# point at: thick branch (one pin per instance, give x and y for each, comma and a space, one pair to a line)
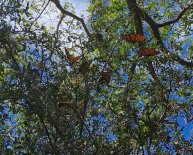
47, 133
139, 29
176, 58
155, 30
175, 20
58, 5
151, 22
152, 71
132, 5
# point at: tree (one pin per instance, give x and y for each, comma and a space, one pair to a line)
124, 86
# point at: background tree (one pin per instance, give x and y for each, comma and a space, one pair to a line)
67, 89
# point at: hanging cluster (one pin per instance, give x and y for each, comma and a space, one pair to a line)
138, 38
134, 38
105, 76
148, 52
71, 58
84, 67
69, 104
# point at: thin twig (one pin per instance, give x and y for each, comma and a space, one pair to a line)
58, 5
40, 13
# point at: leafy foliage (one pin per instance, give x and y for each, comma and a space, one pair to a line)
67, 89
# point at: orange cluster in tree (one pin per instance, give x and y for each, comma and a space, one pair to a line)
69, 104
71, 58
65, 104
84, 67
106, 76
148, 52
133, 38
80, 106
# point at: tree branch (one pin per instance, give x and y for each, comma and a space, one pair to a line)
132, 4
58, 5
47, 133
40, 13
14, 61
79, 116
11, 129
155, 29
177, 19
151, 22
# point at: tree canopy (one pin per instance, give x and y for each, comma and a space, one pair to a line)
117, 82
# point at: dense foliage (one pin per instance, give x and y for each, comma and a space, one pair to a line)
73, 87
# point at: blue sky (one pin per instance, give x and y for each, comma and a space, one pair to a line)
80, 6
